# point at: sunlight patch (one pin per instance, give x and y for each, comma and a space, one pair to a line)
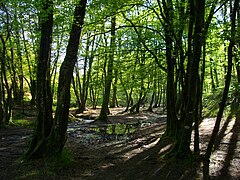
166, 148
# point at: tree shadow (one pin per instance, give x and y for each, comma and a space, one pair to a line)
231, 152
146, 164
221, 133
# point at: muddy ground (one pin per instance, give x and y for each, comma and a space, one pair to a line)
129, 153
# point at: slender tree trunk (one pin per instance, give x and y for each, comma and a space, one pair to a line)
150, 108
39, 144
225, 92
114, 94
171, 90
108, 79
184, 138
20, 68
1, 105
66, 73
78, 102
7, 101
31, 71
55, 62
211, 74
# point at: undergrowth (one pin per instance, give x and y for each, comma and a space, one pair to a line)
47, 168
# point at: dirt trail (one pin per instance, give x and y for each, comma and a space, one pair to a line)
13, 142
127, 156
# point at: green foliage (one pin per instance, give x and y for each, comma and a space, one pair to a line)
48, 168
22, 122
134, 63
58, 162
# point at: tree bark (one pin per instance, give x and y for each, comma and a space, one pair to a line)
38, 147
104, 110
184, 138
171, 90
225, 92
66, 73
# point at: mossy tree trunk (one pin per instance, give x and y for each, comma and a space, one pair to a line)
38, 147
65, 77
50, 134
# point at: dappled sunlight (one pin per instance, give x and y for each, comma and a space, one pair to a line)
225, 158
205, 132
116, 110
135, 151
221, 161
106, 151
165, 149
140, 117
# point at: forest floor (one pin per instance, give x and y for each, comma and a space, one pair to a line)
132, 151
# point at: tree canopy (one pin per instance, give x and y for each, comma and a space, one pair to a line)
180, 56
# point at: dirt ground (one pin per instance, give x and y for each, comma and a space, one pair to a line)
133, 155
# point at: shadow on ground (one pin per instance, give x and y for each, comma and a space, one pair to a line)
137, 155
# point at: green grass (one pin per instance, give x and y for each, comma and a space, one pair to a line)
47, 168
22, 122
60, 161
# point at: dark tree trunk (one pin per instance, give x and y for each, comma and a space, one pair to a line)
1, 115
1, 107
114, 102
196, 124
211, 74
66, 73
75, 88
7, 101
184, 138
33, 90
20, 68
39, 144
225, 92
108, 80
150, 108
171, 90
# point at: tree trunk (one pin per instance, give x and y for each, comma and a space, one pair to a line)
66, 73
7, 101
39, 144
225, 92
114, 95
171, 90
150, 108
20, 68
1, 108
211, 74
184, 137
31, 72
104, 110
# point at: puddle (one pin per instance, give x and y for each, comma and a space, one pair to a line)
84, 132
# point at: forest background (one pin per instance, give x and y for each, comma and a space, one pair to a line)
179, 55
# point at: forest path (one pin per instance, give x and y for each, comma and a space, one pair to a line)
225, 159
13, 142
123, 156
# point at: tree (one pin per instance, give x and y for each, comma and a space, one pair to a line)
195, 40
6, 88
38, 146
108, 81
65, 77
207, 155
50, 135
